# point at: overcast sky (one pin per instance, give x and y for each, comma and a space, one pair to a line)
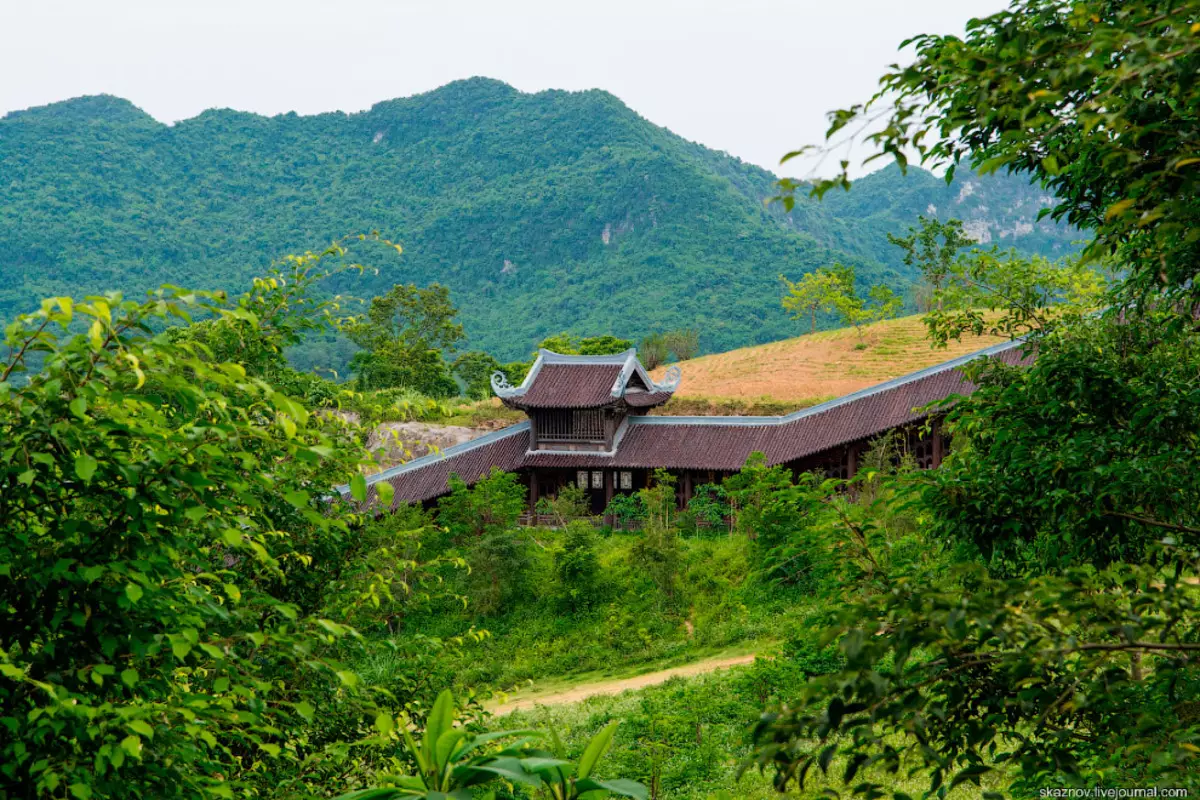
751, 77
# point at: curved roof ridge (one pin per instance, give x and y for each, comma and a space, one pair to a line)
449, 452
551, 357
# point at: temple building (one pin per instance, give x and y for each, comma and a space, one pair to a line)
589, 425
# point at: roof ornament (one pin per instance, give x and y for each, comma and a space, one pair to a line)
501, 386
671, 379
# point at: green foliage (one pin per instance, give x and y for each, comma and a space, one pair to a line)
467, 177
1081, 457
453, 762
383, 580
932, 248
394, 405
1003, 294
1078, 680
781, 517
1096, 101
165, 554
832, 290
450, 760
476, 369
404, 336
481, 519
682, 739
1067, 660
567, 344
817, 292
491, 506
653, 350
571, 503
709, 507
576, 568
627, 510
684, 344
658, 550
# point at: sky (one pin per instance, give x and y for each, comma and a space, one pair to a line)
754, 78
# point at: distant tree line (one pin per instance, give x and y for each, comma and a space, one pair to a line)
409, 335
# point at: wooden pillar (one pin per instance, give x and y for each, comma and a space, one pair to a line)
687, 487
610, 478
852, 458
533, 496
935, 431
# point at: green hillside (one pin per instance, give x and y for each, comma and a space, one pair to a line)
541, 212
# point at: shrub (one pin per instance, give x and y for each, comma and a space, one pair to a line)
164, 555
576, 568
627, 510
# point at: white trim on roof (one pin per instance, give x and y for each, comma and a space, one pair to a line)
628, 361
449, 452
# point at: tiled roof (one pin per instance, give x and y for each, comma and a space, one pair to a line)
428, 476
570, 381
647, 399
571, 386
716, 443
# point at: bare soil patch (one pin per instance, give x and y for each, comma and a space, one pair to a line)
583, 691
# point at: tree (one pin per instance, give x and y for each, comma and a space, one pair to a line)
1094, 100
885, 303
1081, 457
404, 337
164, 552
1067, 657
653, 350
657, 552
778, 514
482, 519
491, 506
932, 249
476, 369
816, 292
1005, 294
684, 343
568, 344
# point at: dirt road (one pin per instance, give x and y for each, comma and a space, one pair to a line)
586, 690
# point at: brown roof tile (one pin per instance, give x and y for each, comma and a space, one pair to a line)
570, 386
428, 477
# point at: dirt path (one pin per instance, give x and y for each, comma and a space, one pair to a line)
586, 690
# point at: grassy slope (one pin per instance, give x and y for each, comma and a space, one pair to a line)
535, 642
689, 737
818, 366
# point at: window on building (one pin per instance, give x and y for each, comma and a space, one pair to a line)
581, 479
598, 479
579, 425
626, 480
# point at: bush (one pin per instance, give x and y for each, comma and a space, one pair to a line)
164, 557
627, 510
577, 569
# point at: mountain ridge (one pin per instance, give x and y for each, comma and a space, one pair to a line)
541, 211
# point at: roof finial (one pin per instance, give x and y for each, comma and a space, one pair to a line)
671, 379
501, 386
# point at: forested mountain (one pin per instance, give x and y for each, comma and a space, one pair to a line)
542, 212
